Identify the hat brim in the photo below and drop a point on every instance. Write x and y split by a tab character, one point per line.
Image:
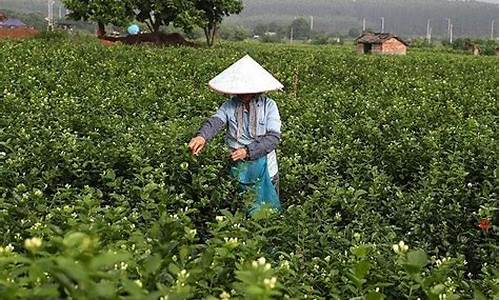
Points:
243	92
245	76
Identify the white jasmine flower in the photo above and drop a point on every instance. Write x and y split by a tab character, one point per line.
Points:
261	261
285	265
270	283
33	244
224	296
400	247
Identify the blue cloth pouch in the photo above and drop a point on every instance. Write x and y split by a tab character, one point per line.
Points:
253	175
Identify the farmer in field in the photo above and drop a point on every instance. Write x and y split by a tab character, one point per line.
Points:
253	129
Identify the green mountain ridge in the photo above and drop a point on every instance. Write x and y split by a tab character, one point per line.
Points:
407	18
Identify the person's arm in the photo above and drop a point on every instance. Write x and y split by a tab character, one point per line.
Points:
265	144
211	128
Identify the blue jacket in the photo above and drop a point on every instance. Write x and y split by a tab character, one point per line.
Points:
268	129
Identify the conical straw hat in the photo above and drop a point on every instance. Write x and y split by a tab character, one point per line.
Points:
245	76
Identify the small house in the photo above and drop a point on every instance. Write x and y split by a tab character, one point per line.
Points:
380	43
12	23
14	28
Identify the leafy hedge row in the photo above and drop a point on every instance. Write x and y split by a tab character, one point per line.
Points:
388	168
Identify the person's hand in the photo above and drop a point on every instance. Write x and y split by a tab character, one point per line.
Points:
239	154
196	145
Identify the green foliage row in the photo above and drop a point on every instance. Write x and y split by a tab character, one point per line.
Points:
387	166
487	47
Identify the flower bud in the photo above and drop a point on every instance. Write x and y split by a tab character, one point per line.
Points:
33	244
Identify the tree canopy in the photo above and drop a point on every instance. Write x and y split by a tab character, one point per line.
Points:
212	12
301	29
157	13
103	12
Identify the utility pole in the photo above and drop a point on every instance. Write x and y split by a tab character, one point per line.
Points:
312	23
382	24
364	24
291	34
60	12
50	15
449	25
451	33
492	35
429	31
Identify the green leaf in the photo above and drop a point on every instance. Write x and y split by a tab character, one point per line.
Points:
173	269
152	264
359	193
417	258
105	289
478	295
361	269
133	288
72	269
375	296
360	250
146	170
109	175
438	289
183	252
46	292
108	259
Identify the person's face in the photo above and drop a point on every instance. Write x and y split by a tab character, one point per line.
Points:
246	98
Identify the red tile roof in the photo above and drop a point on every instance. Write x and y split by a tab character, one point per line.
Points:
377	38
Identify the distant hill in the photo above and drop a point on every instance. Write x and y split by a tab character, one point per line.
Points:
405	17
28	6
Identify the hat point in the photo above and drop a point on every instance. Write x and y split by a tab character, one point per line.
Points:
245	76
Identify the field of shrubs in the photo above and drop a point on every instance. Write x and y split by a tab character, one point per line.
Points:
388	176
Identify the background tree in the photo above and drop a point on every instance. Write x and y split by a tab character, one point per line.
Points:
103	12
157	13
212	12
233	32
301	29
353	32
260	29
